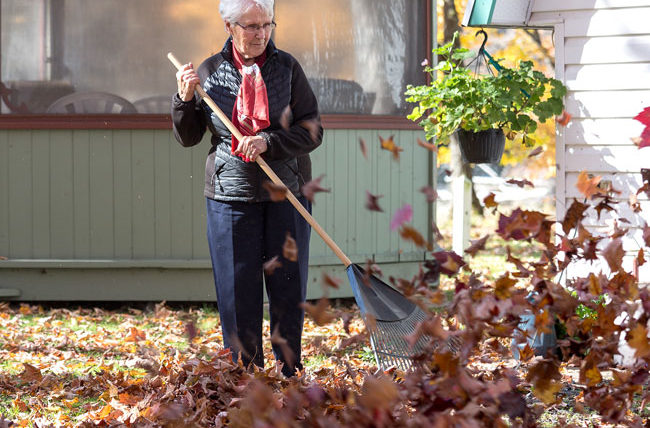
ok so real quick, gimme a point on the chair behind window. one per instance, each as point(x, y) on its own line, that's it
point(92, 103)
point(154, 104)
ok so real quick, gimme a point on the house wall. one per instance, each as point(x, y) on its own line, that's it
point(603, 56)
point(120, 214)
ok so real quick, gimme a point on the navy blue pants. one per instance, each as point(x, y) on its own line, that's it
point(242, 236)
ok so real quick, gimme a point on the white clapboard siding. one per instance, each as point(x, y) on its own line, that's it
point(602, 131)
point(603, 77)
point(583, 269)
point(622, 213)
point(597, 23)
point(566, 5)
point(597, 159)
point(625, 183)
point(607, 104)
point(607, 50)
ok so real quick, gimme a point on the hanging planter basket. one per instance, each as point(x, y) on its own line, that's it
point(481, 147)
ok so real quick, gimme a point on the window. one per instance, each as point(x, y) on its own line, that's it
point(76, 56)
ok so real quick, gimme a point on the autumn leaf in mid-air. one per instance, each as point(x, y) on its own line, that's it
point(428, 146)
point(644, 116)
point(331, 281)
point(564, 118)
point(638, 339)
point(410, 234)
point(535, 152)
point(430, 193)
point(271, 265)
point(476, 245)
point(363, 147)
point(489, 201)
point(290, 249)
point(389, 144)
point(319, 312)
point(286, 118)
point(588, 186)
point(614, 254)
point(402, 215)
point(520, 183)
point(372, 202)
point(276, 192)
point(312, 187)
point(449, 262)
point(644, 139)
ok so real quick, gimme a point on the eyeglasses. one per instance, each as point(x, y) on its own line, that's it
point(254, 28)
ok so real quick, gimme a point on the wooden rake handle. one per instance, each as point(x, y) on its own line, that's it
point(267, 169)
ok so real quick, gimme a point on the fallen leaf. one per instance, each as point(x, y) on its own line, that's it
point(476, 245)
point(276, 192)
point(449, 262)
point(286, 118)
point(613, 254)
point(389, 144)
point(290, 249)
point(638, 339)
point(285, 349)
point(319, 312)
point(520, 183)
point(489, 201)
point(644, 139)
point(331, 281)
point(644, 116)
point(314, 128)
point(587, 185)
point(30, 373)
point(646, 235)
point(573, 216)
point(410, 234)
point(372, 202)
point(430, 193)
point(312, 187)
point(401, 216)
point(191, 331)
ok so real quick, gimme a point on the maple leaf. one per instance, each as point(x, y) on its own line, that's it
point(285, 349)
point(389, 144)
point(313, 126)
point(428, 146)
point(646, 235)
point(544, 375)
point(401, 216)
point(520, 183)
point(589, 373)
point(535, 152)
point(191, 331)
point(363, 147)
point(644, 139)
point(410, 234)
point(573, 216)
point(588, 186)
point(564, 118)
point(290, 249)
point(319, 312)
point(378, 393)
point(644, 116)
point(503, 286)
point(489, 202)
point(449, 262)
point(331, 281)
point(276, 192)
point(613, 254)
point(430, 193)
point(372, 202)
point(638, 339)
point(30, 373)
point(271, 265)
point(312, 187)
point(476, 245)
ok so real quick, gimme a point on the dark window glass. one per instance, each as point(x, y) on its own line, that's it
point(80, 56)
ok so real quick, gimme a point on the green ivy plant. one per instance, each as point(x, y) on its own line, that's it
point(515, 99)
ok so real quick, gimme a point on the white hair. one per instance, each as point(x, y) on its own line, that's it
point(232, 10)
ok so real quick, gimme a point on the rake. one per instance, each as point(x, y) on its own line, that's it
point(388, 315)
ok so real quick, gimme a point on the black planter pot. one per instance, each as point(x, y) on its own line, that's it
point(481, 147)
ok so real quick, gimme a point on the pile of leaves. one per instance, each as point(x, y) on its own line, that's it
point(93, 367)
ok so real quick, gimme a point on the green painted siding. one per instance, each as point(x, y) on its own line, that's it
point(69, 197)
point(482, 12)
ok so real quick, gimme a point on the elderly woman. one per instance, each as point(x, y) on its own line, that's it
point(266, 93)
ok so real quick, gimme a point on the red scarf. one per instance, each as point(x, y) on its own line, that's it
point(251, 111)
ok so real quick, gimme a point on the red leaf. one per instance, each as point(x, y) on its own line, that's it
point(271, 265)
point(310, 188)
point(372, 202)
point(564, 118)
point(644, 116)
point(410, 234)
point(428, 146)
point(319, 312)
point(363, 147)
point(331, 281)
point(402, 215)
point(430, 192)
point(520, 183)
point(645, 138)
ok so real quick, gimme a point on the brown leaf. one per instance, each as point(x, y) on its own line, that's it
point(281, 342)
point(646, 235)
point(30, 373)
point(489, 201)
point(520, 183)
point(476, 245)
point(408, 233)
point(286, 118)
point(638, 339)
point(573, 216)
point(372, 202)
point(277, 192)
point(290, 249)
point(449, 262)
point(564, 118)
point(536, 151)
point(330, 281)
point(363, 148)
point(271, 265)
point(613, 254)
point(312, 187)
point(313, 126)
point(389, 144)
point(378, 393)
point(503, 287)
point(544, 375)
point(319, 312)
point(191, 331)
point(428, 146)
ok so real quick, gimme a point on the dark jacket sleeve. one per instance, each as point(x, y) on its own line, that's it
point(305, 132)
point(189, 121)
